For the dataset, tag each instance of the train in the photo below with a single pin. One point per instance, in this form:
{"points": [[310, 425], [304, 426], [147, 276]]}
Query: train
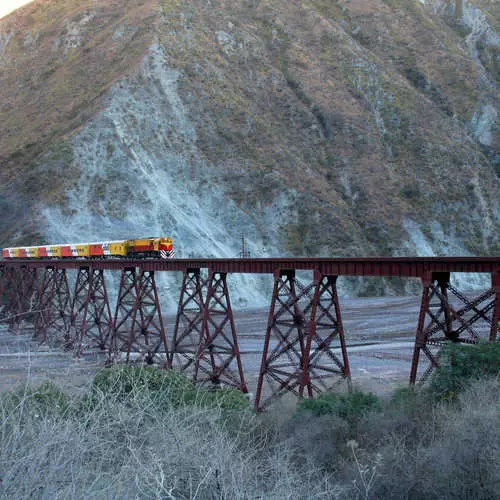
{"points": [[141, 248]]}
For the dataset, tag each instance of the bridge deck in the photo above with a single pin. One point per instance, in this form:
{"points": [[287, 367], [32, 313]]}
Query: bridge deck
{"points": [[359, 266]]}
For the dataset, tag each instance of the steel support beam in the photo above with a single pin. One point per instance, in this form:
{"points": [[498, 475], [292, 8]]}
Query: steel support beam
{"points": [[305, 352], [218, 351], [282, 366], [441, 320], [138, 324], [189, 321], [21, 301], [44, 304], [61, 324], [323, 368], [10, 294], [91, 318], [495, 286]]}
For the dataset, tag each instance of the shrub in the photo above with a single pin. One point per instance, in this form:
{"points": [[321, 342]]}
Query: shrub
{"points": [[227, 399], [162, 388], [44, 400], [461, 364], [351, 406], [454, 455]]}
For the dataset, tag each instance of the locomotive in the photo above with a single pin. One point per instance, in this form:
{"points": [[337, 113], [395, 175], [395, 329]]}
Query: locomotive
{"points": [[141, 248]]}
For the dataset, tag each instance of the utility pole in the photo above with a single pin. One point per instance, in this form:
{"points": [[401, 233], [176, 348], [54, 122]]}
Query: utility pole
{"points": [[244, 254]]}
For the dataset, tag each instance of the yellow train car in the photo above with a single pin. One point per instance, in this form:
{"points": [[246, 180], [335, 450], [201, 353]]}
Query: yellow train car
{"points": [[81, 250], [119, 248], [32, 252], [54, 251]]}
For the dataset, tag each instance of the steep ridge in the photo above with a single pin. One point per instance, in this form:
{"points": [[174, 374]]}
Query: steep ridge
{"points": [[317, 127]]}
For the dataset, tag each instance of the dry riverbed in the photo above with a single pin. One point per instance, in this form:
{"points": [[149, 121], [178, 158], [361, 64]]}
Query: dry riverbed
{"points": [[379, 334]]}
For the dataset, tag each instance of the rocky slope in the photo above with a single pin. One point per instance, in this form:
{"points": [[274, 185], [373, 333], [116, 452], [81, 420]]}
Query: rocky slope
{"points": [[319, 127]]}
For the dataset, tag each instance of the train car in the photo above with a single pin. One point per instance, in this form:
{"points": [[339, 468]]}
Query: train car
{"points": [[54, 251], [145, 247], [152, 247], [32, 252], [109, 249], [42, 252]]}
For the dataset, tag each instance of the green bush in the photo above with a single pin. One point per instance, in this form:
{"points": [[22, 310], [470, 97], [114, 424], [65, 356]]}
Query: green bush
{"points": [[351, 406], [462, 364], [227, 399], [44, 400], [163, 388]]}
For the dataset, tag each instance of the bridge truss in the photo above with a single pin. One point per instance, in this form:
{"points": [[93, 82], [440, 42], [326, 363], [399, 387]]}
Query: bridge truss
{"points": [[304, 346]]}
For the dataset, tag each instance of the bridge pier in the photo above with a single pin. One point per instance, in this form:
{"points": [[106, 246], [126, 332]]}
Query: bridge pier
{"points": [[3, 271], [138, 323], [23, 284], [52, 301], [44, 304], [304, 326], [189, 321], [61, 307], [495, 286], [91, 319], [10, 280], [319, 361], [440, 322], [218, 346]]}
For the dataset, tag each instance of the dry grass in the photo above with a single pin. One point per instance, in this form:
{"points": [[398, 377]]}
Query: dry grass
{"points": [[107, 447], [153, 444]]}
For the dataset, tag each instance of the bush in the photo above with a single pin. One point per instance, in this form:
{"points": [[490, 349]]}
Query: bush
{"points": [[227, 399], [351, 406], [162, 388], [44, 400], [462, 364], [168, 387], [454, 454]]}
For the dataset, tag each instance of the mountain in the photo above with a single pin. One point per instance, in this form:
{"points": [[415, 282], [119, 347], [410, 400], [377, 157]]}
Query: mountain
{"points": [[316, 127]]}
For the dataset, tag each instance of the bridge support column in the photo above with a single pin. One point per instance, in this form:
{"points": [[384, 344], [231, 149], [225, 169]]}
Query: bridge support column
{"points": [[52, 301], [218, 346], [495, 286], [281, 368], [44, 304], [440, 321], [10, 295], [2, 287], [303, 328], [91, 319], [323, 369], [189, 321], [22, 286], [138, 323], [61, 307]]}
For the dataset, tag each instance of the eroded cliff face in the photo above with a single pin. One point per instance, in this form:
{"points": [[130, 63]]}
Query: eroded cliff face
{"points": [[314, 127]]}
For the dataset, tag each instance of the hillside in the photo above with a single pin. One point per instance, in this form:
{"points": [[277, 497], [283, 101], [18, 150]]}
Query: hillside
{"points": [[319, 127]]}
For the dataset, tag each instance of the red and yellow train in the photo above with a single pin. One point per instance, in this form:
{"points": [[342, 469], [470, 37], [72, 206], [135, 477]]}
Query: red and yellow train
{"points": [[146, 247]]}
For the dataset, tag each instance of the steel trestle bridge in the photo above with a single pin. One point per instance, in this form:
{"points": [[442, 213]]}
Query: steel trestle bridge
{"points": [[304, 351]]}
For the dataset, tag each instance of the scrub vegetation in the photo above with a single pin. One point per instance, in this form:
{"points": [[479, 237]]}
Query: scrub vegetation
{"points": [[146, 433]]}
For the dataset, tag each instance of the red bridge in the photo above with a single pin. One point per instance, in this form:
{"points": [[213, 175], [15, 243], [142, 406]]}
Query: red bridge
{"points": [[304, 348]]}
